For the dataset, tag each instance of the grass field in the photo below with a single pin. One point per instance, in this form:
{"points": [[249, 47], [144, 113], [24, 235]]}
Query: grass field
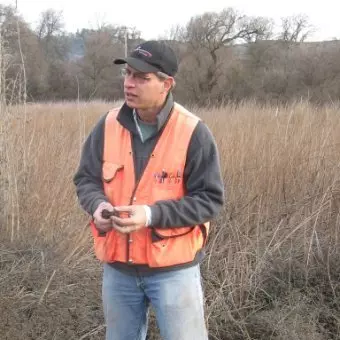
{"points": [[272, 269]]}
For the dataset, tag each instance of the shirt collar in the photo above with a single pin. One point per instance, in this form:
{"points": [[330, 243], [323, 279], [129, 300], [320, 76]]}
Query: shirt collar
{"points": [[126, 117]]}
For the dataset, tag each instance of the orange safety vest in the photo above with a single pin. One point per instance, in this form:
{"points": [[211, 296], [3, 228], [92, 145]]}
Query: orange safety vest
{"points": [[162, 180]]}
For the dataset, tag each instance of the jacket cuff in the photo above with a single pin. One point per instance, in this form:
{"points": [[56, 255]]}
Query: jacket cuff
{"points": [[155, 215], [147, 214], [95, 205]]}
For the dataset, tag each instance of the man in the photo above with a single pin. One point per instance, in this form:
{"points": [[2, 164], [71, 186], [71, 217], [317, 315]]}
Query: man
{"points": [[150, 177]]}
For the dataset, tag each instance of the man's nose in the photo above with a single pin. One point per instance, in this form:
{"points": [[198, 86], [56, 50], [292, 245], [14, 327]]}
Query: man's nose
{"points": [[129, 82]]}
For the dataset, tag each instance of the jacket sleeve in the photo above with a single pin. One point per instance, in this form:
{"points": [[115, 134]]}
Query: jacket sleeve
{"points": [[87, 179], [204, 183]]}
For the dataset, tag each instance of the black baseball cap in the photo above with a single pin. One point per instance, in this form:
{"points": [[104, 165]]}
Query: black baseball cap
{"points": [[152, 56]]}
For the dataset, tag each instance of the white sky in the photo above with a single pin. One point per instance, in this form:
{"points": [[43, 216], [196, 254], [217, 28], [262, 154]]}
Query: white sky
{"points": [[154, 17]]}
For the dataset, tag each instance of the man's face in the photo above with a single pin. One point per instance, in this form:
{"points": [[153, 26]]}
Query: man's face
{"points": [[142, 90]]}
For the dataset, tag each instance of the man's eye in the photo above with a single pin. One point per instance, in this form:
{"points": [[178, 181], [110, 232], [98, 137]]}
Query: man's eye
{"points": [[125, 72], [142, 76]]}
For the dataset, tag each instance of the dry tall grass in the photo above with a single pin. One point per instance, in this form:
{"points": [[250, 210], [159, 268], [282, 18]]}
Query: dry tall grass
{"points": [[272, 268]]}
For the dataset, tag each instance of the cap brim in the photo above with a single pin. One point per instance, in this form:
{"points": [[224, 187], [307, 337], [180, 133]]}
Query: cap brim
{"points": [[137, 64]]}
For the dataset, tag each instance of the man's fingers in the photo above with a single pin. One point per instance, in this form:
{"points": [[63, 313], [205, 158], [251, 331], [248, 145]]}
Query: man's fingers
{"points": [[125, 230], [102, 222], [125, 208], [123, 222], [105, 228], [98, 214]]}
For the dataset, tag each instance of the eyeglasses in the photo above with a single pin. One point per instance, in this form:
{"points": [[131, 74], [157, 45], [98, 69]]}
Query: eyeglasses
{"points": [[137, 76], [140, 76]]}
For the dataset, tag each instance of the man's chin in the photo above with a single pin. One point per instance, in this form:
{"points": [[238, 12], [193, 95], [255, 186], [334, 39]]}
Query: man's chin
{"points": [[131, 103], [131, 106]]}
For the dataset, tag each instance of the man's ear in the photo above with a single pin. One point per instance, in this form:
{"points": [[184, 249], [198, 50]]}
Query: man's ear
{"points": [[167, 84]]}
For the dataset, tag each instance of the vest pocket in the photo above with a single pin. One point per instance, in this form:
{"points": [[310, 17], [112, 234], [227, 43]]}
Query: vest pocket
{"points": [[110, 170], [163, 234], [104, 245], [173, 249]]}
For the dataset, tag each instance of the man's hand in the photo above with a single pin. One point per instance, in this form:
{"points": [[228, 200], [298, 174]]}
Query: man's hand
{"points": [[101, 223], [136, 218]]}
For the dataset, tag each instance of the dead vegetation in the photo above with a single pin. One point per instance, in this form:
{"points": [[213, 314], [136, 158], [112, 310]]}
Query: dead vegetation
{"points": [[272, 265]]}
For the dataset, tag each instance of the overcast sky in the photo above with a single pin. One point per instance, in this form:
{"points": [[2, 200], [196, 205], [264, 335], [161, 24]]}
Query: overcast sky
{"points": [[153, 18]]}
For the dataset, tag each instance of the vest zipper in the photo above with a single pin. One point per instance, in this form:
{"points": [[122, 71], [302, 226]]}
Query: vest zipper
{"points": [[141, 175]]}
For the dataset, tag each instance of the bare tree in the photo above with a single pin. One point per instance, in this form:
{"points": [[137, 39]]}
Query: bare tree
{"points": [[131, 33], [208, 36], [215, 30], [295, 29], [50, 33], [2, 66], [19, 55], [99, 75], [51, 23], [258, 28]]}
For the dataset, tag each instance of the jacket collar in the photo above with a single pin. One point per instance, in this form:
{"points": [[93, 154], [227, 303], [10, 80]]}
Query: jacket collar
{"points": [[125, 115]]}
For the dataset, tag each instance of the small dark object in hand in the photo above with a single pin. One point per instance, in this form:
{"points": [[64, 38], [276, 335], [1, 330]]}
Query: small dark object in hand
{"points": [[107, 214]]}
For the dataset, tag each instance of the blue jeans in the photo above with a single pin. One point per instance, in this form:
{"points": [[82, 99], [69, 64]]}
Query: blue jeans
{"points": [[176, 297]]}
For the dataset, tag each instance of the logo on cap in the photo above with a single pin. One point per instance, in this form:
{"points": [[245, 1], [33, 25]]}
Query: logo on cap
{"points": [[143, 52]]}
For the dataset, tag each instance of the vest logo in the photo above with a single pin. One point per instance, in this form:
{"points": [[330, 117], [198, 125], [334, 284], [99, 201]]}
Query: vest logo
{"points": [[143, 52], [167, 177]]}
